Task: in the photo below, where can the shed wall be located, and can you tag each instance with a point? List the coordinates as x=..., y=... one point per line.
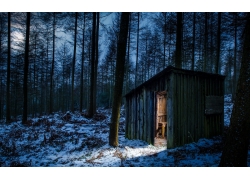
x=190, y=121
x=186, y=119
x=140, y=110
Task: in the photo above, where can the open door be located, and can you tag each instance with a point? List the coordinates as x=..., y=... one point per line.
x=161, y=119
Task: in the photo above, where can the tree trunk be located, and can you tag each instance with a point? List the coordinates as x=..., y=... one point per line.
x=8, y=117
x=205, y=45
x=1, y=104
x=1, y=89
x=218, y=44
x=41, y=94
x=119, y=76
x=127, y=62
x=178, y=60
x=73, y=66
x=96, y=62
x=137, y=50
x=1, y=99
x=34, y=99
x=16, y=95
x=235, y=150
x=82, y=66
x=91, y=110
x=51, y=100
x=193, y=45
x=235, y=57
x=88, y=73
x=164, y=41
x=26, y=69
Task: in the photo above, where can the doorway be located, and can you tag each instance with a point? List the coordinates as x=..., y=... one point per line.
x=161, y=119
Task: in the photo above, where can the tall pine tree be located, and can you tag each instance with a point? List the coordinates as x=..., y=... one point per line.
x=235, y=150
x=26, y=69
x=91, y=109
x=119, y=77
x=178, y=60
x=8, y=117
x=73, y=65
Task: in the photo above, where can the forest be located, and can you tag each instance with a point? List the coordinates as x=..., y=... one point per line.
x=67, y=62
x=60, y=47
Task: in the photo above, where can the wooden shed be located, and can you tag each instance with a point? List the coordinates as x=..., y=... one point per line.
x=176, y=107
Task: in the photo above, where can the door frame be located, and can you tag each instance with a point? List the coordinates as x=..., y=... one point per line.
x=164, y=128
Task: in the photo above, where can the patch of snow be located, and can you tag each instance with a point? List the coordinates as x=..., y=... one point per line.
x=80, y=142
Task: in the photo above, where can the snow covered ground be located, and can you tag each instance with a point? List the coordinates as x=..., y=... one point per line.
x=54, y=141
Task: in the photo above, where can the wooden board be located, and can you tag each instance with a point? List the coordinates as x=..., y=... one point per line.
x=214, y=105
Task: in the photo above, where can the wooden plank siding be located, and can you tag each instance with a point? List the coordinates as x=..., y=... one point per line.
x=137, y=131
x=170, y=111
x=141, y=136
x=152, y=117
x=186, y=98
x=214, y=123
x=128, y=117
x=148, y=124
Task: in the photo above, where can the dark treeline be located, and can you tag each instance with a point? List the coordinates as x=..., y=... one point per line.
x=72, y=56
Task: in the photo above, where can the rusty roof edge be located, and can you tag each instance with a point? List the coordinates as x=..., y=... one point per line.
x=169, y=70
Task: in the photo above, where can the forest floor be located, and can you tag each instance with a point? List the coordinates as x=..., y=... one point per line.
x=72, y=140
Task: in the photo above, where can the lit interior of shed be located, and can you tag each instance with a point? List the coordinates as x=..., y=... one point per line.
x=161, y=118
